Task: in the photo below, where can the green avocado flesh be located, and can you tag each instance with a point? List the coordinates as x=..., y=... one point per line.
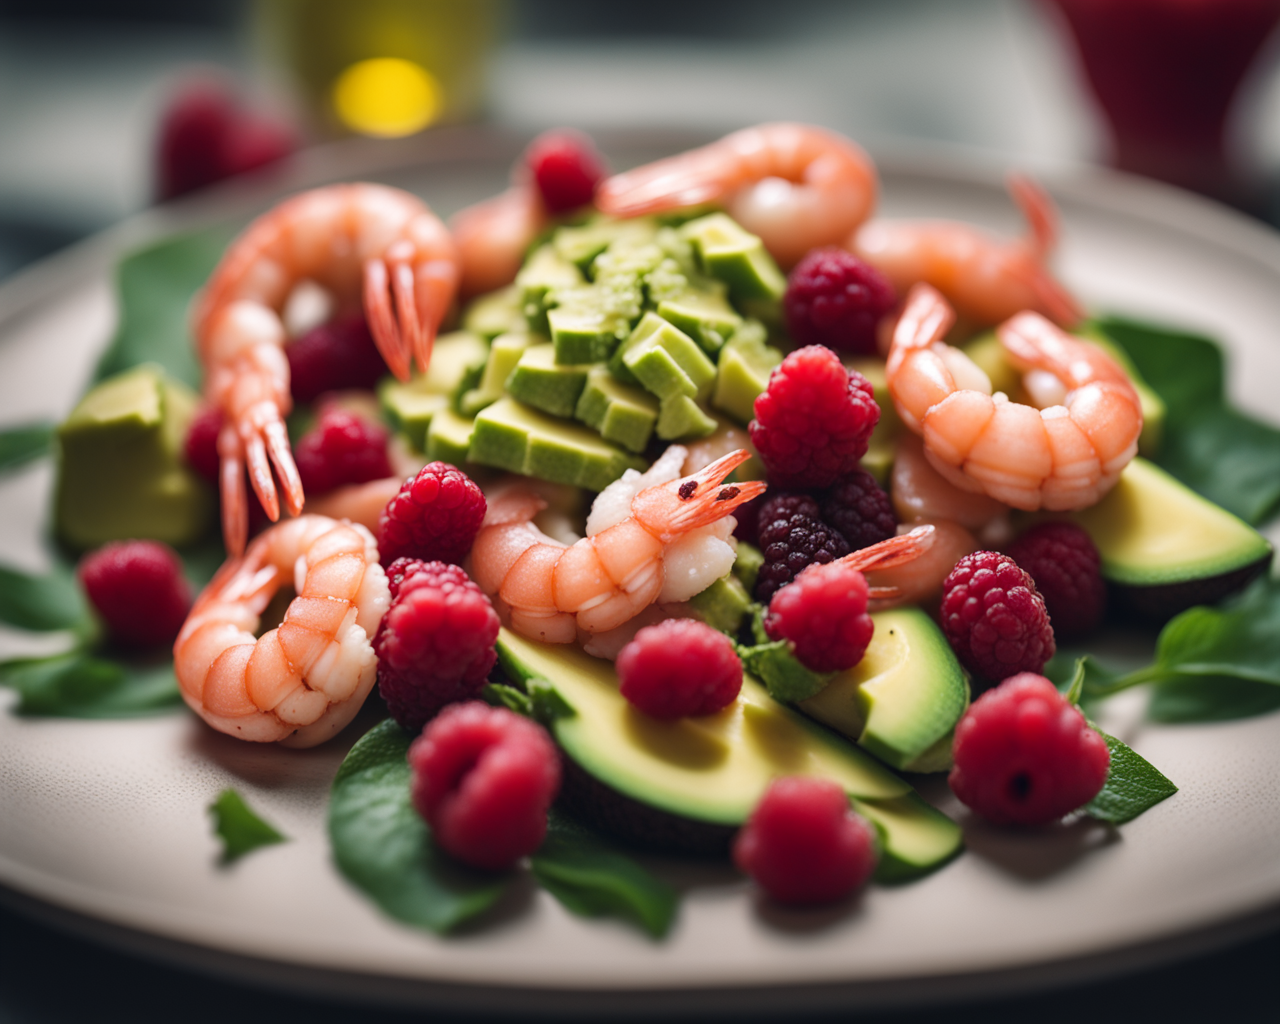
x=713, y=769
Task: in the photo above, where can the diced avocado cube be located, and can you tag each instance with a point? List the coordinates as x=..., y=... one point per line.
x=704, y=314
x=538, y=380
x=584, y=332
x=621, y=413
x=411, y=410
x=665, y=360
x=504, y=353
x=411, y=405
x=736, y=257
x=448, y=438
x=680, y=418
x=581, y=245
x=495, y=313
x=748, y=564
x=988, y=355
x=544, y=272
x=745, y=365
x=1153, y=407
x=122, y=473
x=513, y=436
x=882, y=446
x=452, y=356
x=723, y=605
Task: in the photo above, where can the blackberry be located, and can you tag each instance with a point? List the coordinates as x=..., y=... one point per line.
x=790, y=544
x=859, y=510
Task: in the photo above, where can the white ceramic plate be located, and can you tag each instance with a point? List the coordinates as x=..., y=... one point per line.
x=105, y=823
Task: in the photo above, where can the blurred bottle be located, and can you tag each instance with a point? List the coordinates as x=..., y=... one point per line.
x=384, y=68
x=1165, y=73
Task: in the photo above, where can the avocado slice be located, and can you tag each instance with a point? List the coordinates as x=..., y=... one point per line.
x=448, y=438
x=680, y=418
x=664, y=360
x=621, y=413
x=411, y=405
x=490, y=385
x=700, y=778
x=544, y=273
x=882, y=446
x=735, y=256
x=702, y=312
x=495, y=313
x=746, y=362
x=580, y=245
x=540, y=381
x=1165, y=548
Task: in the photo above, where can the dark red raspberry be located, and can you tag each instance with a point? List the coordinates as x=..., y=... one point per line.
x=835, y=299
x=790, y=544
x=1068, y=572
x=994, y=617
x=436, y=516
x=435, y=643
x=679, y=667
x=341, y=449
x=804, y=844
x=137, y=588
x=336, y=356
x=483, y=778
x=201, y=445
x=824, y=615
x=859, y=510
x=1024, y=755
x=813, y=420
x=565, y=167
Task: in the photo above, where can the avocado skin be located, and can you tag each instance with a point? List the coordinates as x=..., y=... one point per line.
x=1156, y=605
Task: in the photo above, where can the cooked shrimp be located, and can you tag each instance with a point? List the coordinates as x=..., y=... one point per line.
x=352, y=240
x=986, y=279
x=493, y=236
x=922, y=495
x=302, y=682
x=1064, y=456
x=550, y=590
x=919, y=579
x=796, y=186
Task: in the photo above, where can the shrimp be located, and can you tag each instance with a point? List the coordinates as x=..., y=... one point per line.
x=1062, y=456
x=493, y=236
x=355, y=241
x=550, y=590
x=919, y=580
x=985, y=279
x=796, y=186
x=302, y=682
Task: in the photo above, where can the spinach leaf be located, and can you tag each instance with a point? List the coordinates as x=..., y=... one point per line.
x=41, y=603
x=384, y=848
x=21, y=444
x=1133, y=785
x=239, y=828
x=78, y=685
x=1211, y=699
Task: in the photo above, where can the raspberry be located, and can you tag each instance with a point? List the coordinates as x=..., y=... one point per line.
x=436, y=516
x=790, y=544
x=435, y=643
x=1024, y=755
x=813, y=420
x=341, y=449
x=679, y=667
x=804, y=844
x=138, y=589
x=201, y=445
x=994, y=617
x=859, y=510
x=333, y=357
x=835, y=299
x=824, y=615
x=1063, y=561
x=566, y=168
x=483, y=779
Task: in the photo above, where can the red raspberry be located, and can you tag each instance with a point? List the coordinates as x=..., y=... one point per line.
x=824, y=615
x=341, y=449
x=138, y=589
x=859, y=510
x=813, y=420
x=335, y=356
x=436, y=515
x=804, y=844
x=566, y=168
x=1068, y=572
x=435, y=643
x=679, y=667
x=790, y=544
x=201, y=445
x=1024, y=755
x=994, y=617
x=835, y=299
x=483, y=779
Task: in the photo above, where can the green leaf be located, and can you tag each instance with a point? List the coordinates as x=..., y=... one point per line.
x=1211, y=699
x=240, y=830
x=41, y=603
x=78, y=685
x=1241, y=640
x=383, y=847
x=20, y=445
x=1133, y=785
x=1075, y=687
x=1186, y=370
x=592, y=879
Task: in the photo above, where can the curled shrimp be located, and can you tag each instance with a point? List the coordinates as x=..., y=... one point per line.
x=986, y=279
x=1064, y=455
x=796, y=186
x=355, y=241
x=302, y=682
x=550, y=591
x=493, y=236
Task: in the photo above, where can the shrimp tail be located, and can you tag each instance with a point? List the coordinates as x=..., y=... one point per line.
x=892, y=552
x=380, y=312
x=702, y=500
x=883, y=593
x=1042, y=237
x=689, y=179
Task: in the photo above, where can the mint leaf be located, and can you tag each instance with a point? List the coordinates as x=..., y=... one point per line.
x=591, y=879
x=776, y=665
x=383, y=847
x=41, y=603
x=1133, y=785
x=1211, y=699
x=240, y=830
x=78, y=685
x=21, y=444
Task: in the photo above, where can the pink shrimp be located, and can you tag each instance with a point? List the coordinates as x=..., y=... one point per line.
x=302, y=682
x=796, y=186
x=493, y=236
x=985, y=279
x=353, y=240
x=1062, y=456
x=551, y=590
